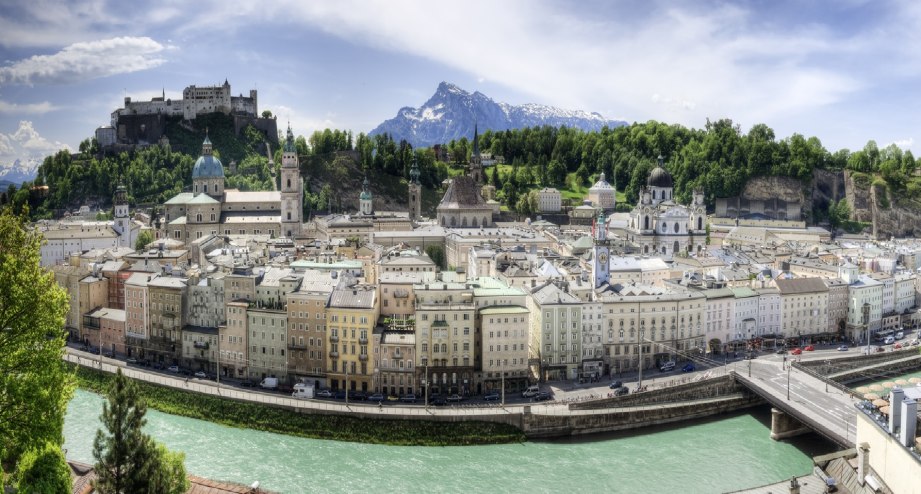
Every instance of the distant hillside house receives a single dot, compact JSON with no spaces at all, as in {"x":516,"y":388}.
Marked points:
{"x":549,"y":200}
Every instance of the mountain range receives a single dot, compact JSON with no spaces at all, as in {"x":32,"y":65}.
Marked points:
{"x":452,"y":112}
{"x":20,"y":171}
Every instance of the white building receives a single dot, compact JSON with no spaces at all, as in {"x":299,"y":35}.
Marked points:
{"x":603,"y":194}
{"x":556,"y":327}
{"x":768,"y":311}
{"x":549,"y":200}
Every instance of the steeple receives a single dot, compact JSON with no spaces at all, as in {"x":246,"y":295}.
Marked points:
{"x":475,"y":168}
{"x":414,"y":172}
{"x":290,"y":146}
{"x":365,"y":201}
{"x":206,"y":145}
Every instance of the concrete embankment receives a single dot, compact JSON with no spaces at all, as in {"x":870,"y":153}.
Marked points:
{"x":679,"y":403}
{"x":863,"y":367}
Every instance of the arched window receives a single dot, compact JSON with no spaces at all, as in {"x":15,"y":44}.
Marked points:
{"x":676,"y":248}
{"x":645,"y":222}
{"x":676,"y":227}
{"x":654,"y":194}
{"x":475,"y":223}
{"x":289,"y":183}
{"x":198,"y":217}
{"x":464,"y":222}
{"x":453,"y":221}
{"x":700,"y":223}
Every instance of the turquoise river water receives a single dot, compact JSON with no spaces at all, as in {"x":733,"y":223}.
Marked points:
{"x":708,"y":456}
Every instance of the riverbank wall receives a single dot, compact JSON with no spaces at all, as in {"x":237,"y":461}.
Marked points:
{"x":547,"y":420}
{"x":861,"y":367}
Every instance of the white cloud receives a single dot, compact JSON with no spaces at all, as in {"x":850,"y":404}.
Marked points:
{"x":903,"y":143}
{"x":27,"y":147}
{"x":84,"y":61}
{"x":27,"y":108}
{"x":302,"y":124}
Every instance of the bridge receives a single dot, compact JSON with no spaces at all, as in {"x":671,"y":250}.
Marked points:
{"x":801,"y":400}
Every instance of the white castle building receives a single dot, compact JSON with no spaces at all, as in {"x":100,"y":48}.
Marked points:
{"x":195,"y":101}
{"x":659,"y":225}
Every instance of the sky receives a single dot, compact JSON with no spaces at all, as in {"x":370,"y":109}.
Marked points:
{"x":846,"y":71}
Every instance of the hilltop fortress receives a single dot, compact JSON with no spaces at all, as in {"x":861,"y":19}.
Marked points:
{"x":141,"y":123}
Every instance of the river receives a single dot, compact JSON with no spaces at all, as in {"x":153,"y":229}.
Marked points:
{"x":706,"y":456}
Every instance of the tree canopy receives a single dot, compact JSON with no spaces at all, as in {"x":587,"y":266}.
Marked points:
{"x":35,"y":385}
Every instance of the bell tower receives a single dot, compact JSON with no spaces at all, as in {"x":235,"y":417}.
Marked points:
{"x":601,"y":270}
{"x":476,"y":161}
{"x":122,"y":219}
{"x":414,"y":190}
{"x":292,"y":189}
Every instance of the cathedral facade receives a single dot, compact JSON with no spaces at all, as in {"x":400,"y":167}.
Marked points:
{"x":209,"y":209}
{"x":658,"y":225}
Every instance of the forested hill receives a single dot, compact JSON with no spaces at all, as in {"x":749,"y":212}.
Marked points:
{"x":719,"y":157}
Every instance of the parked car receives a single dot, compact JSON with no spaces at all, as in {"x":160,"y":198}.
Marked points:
{"x":796,"y":351}
{"x":201,"y":375}
{"x":843,"y":348}
{"x":531,"y":391}
{"x":393,"y":398}
{"x":889,"y":340}
{"x":157,"y":366}
{"x":615,"y":384}
{"x":492,"y":396}
{"x":900,"y":335}
{"x":340,"y":394}
{"x":621,"y":391}
{"x":131,"y":360}
{"x":173,"y":368}
{"x":667,"y":366}
{"x":376,"y":397}
{"x":781,"y":351}
{"x":543,"y":396}
{"x":897,"y":346}
{"x":324,"y":393}
{"x":915,"y":342}
{"x":246,"y":383}
{"x":358,"y":395}
{"x":408,"y":398}
{"x":439,"y":401}
{"x":455,"y":397}
{"x":689,"y":367}
{"x":809,"y":348}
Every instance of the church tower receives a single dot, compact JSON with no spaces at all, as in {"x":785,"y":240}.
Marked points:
{"x":476,"y":161}
{"x":292,"y":189}
{"x":601,"y":270}
{"x":415,"y":193}
{"x":365,"y":201}
{"x":122,"y":220}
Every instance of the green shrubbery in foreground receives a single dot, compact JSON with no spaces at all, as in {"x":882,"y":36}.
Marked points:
{"x":282,"y":421}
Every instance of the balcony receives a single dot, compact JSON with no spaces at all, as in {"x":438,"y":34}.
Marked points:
{"x":363,"y":340}
{"x":297,"y":346}
{"x":202,"y":345}
{"x":397,"y":355}
{"x":363,"y":357}
{"x":334,"y":354}
{"x":333,"y":338}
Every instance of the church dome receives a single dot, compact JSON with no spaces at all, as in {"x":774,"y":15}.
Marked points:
{"x":660,"y":178}
{"x":207,"y":165}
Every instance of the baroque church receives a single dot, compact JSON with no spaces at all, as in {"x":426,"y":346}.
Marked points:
{"x":463,"y":205}
{"x":659,"y":225}
{"x":209,"y":209}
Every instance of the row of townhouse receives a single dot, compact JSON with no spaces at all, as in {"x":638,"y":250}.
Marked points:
{"x":416,"y":327}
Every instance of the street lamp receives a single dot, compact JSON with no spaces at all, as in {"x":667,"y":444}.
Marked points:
{"x":425,"y":381}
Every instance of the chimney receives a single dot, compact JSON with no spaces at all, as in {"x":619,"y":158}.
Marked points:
{"x":909,"y":422}
{"x":863,"y":462}
{"x":895,"y":409}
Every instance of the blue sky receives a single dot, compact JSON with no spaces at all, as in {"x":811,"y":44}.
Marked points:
{"x":844,"y":71}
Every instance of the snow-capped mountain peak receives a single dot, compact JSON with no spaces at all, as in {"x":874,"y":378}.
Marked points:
{"x":452,"y":112}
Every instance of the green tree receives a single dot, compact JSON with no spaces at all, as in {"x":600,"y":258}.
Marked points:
{"x":144,"y":238}
{"x":127,"y":460}
{"x":437,"y":254}
{"x":43,"y":470}
{"x":266,"y":114}
{"x":35,"y":385}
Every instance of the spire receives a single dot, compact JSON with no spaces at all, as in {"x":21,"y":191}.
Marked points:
{"x":289,"y":141}
{"x":414,"y":172}
{"x":660,"y":161}
{"x":365,"y":184}
{"x":206,"y":145}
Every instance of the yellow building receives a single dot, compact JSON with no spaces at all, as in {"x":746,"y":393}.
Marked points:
{"x":351,"y":316}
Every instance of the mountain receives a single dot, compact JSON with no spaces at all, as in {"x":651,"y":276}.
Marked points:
{"x":452,"y":112}
{"x":20,"y":171}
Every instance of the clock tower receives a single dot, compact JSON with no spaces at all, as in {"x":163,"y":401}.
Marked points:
{"x":601,"y":270}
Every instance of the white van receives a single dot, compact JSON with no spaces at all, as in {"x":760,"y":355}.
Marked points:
{"x":899,"y":335}
{"x":303,"y":391}
{"x":531,"y":391}
{"x":269,"y":383}
{"x":889,"y":340}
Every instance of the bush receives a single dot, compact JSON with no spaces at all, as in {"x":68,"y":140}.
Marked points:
{"x":43,"y":470}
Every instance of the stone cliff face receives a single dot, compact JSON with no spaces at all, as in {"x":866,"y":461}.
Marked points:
{"x":767,"y":188}
{"x":827,"y":186}
{"x":895,"y":221}
{"x":859,"y":198}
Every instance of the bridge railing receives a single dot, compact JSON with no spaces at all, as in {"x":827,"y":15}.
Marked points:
{"x":802,"y":417}
{"x":831,"y":382}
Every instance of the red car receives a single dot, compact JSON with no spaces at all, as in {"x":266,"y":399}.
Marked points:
{"x":796,"y":351}
{"x":809,"y":348}
{"x":897,"y":346}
